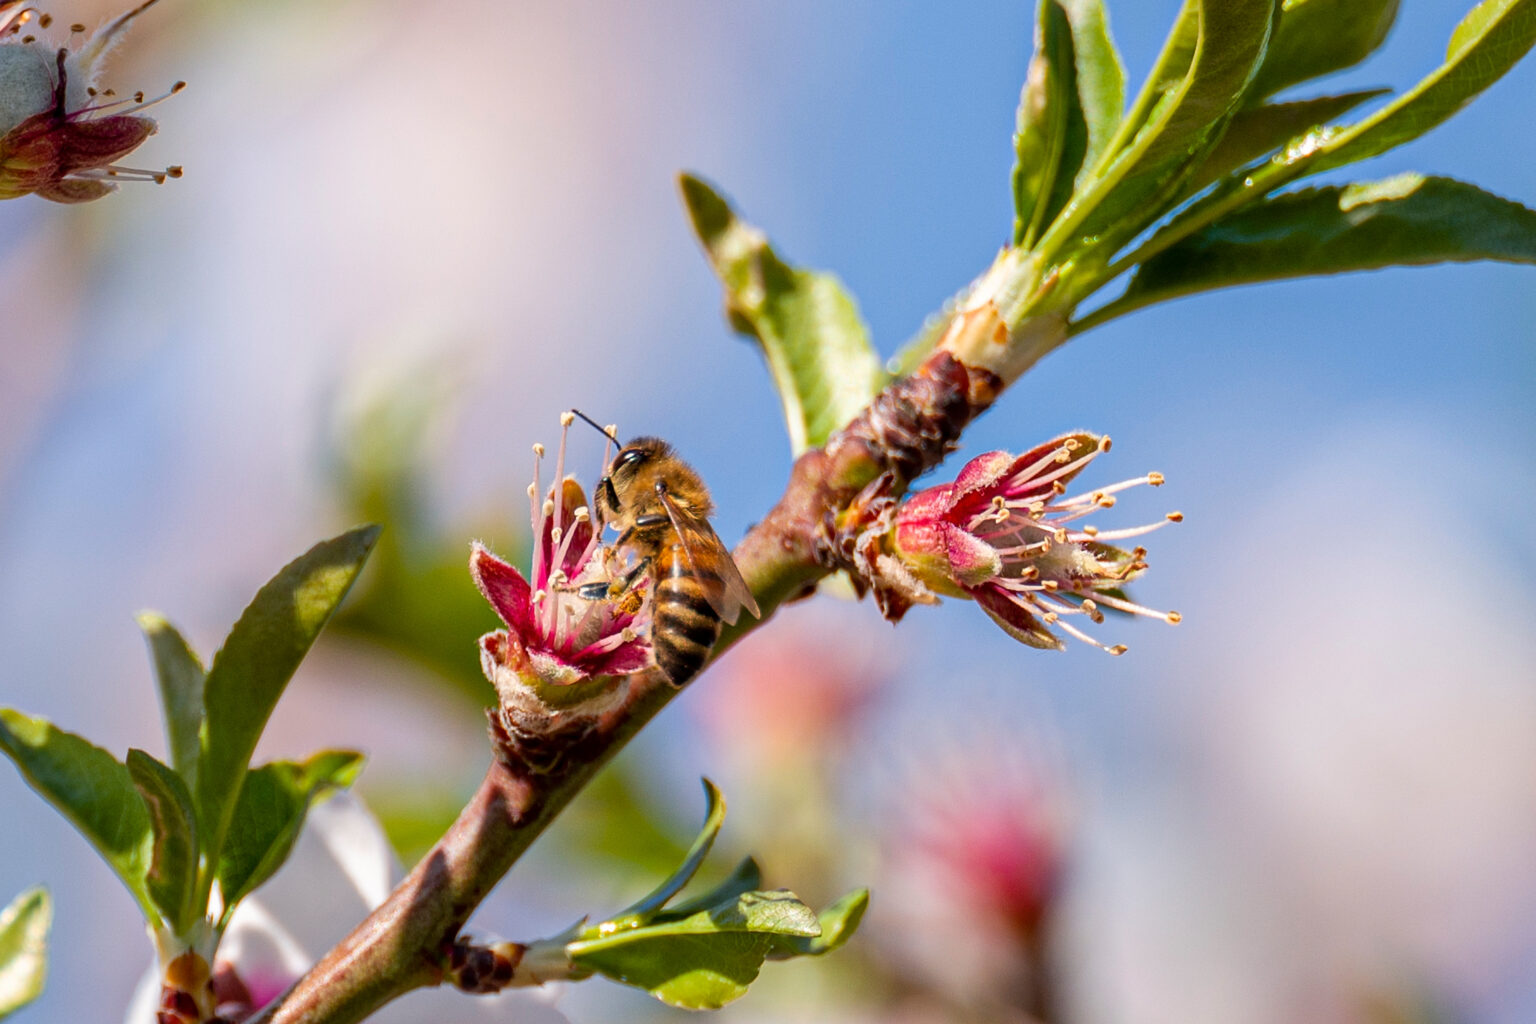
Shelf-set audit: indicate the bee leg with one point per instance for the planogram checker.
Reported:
(649, 522)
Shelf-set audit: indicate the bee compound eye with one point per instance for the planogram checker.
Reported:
(629, 457)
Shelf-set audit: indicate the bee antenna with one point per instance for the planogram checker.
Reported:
(600, 428)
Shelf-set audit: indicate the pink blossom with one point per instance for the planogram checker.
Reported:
(556, 634)
(61, 136)
(1004, 535)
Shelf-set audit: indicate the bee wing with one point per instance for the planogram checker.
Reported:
(697, 537)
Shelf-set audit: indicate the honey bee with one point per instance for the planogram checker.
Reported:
(661, 509)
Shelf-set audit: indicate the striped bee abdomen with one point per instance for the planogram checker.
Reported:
(684, 627)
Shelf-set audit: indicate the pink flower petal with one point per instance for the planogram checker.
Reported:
(931, 504)
(972, 561)
(86, 144)
(982, 473)
(504, 587)
(1015, 620)
(621, 661)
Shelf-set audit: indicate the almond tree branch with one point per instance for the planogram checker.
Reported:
(907, 429)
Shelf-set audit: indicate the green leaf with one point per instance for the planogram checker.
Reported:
(714, 817)
(1406, 220)
(1100, 76)
(24, 949)
(1195, 88)
(1068, 112)
(838, 923)
(1261, 130)
(808, 327)
(180, 677)
(89, 787)
(1486, 44)
(1319, 37)
(704, 960)
(745, 877)
(256, 662)
(270, 814)
(1046, 106)
(172, 876)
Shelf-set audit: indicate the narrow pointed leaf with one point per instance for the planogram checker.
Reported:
(838, 923)
(1068, 112)
(744, 878)
(1487, 43)
(1046, 106)
(1403, 221)
(259, 657)
(269, 816)
(88, 786)
(1258, 131)
(807, 326)
(172, 876)
(1100, 76)
(705, 960)
(1180, 122)
(714, 817)
(24, 928)
(179, 675)
(1318, 37)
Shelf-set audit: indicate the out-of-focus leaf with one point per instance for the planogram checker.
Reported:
(415, 597)
(714, 817)
(24, 949)
(838, 923)
(1260, 130)
(1068, 112)
(702, 961)
(180, 677)
(172, 876)
(1318, 37)
(810, 332)
(91, 788)
(1183, 119)
(270, 814)
(257, 660)
(1402, 221)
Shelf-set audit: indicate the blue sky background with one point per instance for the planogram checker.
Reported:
(484, 195)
